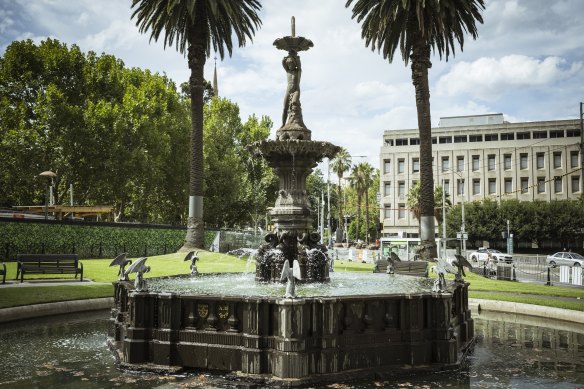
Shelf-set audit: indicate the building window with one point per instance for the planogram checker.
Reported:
(491, 137)
(508, 185)
(387, 211)
(401, 189)
(445, 164)
(491, 162)
(476, 186)
(539, 134)
(540, 184)
(401, 165)
(507, 161)
(460, 164)
(401, 142)
(434, 140)
(523, 135)
(460, 138)
(523, 161)
(524, 184)
(447, 187)
(507, 136)
(539, 160)
(492, 186)
(557, 159)
(573, 158)
(386, 166)
(414, 141)
(401, 211)
(415, 165)
(475, 138)
(460, 187)
(558, 185)
(556, 133)
(387, 189)
(575, 184)
(572, 132)
(476, 161)
(389, 142)
(444, 139)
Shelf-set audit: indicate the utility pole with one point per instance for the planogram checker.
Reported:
(328, 191)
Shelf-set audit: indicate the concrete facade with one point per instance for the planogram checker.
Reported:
(498, 160)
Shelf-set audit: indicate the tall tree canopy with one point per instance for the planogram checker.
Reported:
(417, 27)
(194, 27)
(341, 164)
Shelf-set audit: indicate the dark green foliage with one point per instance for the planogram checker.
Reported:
(530, 221)
(89, 241)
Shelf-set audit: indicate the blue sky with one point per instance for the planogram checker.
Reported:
(527, 63)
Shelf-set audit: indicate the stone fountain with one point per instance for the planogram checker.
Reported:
(340, 326)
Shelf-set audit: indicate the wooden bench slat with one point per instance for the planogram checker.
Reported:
(48, 264)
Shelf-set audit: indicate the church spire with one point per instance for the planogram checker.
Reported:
(215, 85)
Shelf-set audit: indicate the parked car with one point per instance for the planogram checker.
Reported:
(482, 254)
(565, 258)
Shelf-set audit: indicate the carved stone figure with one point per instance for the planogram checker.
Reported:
(291, 275)
(193, 257)
(139, 267)
(442, 267)
(122, 261)
(460, 262)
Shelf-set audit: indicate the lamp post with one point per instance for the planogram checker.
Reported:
(581, 147)
(48, 174)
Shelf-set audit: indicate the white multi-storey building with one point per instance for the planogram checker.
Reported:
(478, 157)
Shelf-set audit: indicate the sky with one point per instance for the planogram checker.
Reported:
(527, 63)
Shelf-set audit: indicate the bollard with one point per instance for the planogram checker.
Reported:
(514, 278)
(484, 269)
(549, 277)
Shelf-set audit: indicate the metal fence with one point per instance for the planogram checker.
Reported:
(531, 268)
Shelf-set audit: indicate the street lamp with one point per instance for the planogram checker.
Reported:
(51, 175)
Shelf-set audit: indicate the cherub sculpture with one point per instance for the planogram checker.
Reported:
(193, 257)
(122, 261)
(290, 274)
(139, 267)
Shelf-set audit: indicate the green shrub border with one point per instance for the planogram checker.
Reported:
(89, 239)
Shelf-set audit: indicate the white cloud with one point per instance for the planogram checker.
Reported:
(490, 78)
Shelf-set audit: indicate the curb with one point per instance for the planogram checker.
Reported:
(57, 308)
(478, 305)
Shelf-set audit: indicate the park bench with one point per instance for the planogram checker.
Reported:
(3, 272)
(48, 264)
(412, 268)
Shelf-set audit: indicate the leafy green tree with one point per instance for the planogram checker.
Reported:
(413, 202)
(416, 27)
(195, 26)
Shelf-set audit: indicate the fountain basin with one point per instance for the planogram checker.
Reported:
(365, 328)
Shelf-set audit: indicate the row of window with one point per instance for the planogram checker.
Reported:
(492, 186)
(491, 162)
(487, 137)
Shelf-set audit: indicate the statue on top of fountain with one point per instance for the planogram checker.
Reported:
(293, 126)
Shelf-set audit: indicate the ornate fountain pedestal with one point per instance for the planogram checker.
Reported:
(289, 342)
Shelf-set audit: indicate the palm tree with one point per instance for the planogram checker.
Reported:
(341, 164)
(196, 27)
(413, 202)
(361, 181)
(416, 27)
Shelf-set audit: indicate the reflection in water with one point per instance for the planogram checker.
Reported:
(510, 352)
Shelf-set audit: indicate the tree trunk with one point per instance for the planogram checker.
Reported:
(420, 65)
(358, 217)
(341, 222)
(196, 58)
(367, 216)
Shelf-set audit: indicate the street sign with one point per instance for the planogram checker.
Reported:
(510, 245)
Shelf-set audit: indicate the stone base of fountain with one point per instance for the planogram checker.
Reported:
(293, 341)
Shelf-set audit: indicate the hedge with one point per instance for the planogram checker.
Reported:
(89, 240)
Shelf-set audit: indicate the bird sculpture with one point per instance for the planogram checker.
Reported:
(291, 274)
(139, 267)
(442, 267)
(460, 262)
(193, 257)
(122, 261)
(392, 259)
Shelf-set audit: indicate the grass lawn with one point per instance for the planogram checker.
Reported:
(98, 270)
